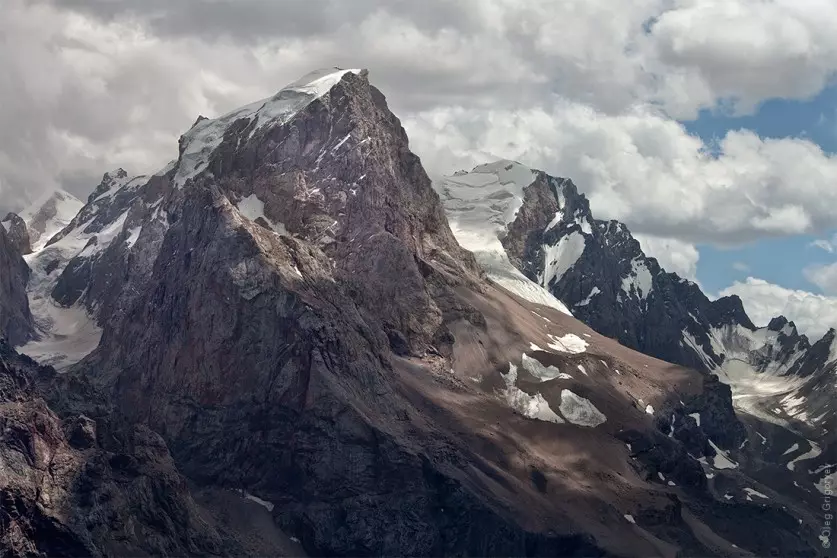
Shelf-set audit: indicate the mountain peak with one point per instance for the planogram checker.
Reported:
(49, 215)
(198, 145)
(777, 323)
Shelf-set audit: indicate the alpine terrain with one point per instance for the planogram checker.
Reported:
(283, 344)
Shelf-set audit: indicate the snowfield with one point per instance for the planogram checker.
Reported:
(480, 205)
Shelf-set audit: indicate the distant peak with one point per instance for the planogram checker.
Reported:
(777, 323)
(115, 174)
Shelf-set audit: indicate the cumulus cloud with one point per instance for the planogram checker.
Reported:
(674, 256)
(646, 170)
(813, 314)
(113, 82)
(823, 276)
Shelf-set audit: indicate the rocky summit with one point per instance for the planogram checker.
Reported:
(288, 342)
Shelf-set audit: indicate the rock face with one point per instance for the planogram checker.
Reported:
(601, 273)
(15, 318)
(17, 232)
(288, 308)
(78, 486)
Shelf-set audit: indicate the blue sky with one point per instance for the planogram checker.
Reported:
(777, 260)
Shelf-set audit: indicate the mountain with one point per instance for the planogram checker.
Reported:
(601, 273)
(287, 306)
(48, 215)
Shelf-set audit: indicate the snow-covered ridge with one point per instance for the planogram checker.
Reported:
(198, 144)
(480, 205)
(48, 215)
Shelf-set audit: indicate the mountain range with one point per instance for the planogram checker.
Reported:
(291, 341)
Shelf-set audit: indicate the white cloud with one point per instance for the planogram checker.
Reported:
(823, 276)
(646, 170)
(674, 256)
(741, 266)
(813, 314)
(829, 245)
(114, 83)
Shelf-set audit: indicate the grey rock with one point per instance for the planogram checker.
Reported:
(17, 232)
(15, 317)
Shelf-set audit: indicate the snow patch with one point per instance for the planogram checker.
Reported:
(264, 503)
(481, 239)
(593, 292)
(639, 278)
(569, 343)
(753, 492)
(814, 452)
(695, 416)
(791, 449)
(580, 411)
(252, 208)
(530, 406)
(541, 372)
(560, 257)
(630, 518)
(721, 460)
(649, 410)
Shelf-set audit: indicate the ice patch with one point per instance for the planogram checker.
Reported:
(541, 372)
(559, 258)
(580, 411)
(555, 220)
(791, 449)
(569, 343)
(815, 451)
(721, 460)
(264, 503)
(593, 292)
(133, 236)
(530, 406)
(481, 240)
(252, 208)
(640, 279)
(752, 492)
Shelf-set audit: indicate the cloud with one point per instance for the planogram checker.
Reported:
(741, 266)
(829, 245)
(674, 256)
(646, 170)
(582, 89)
(823, 276)
(813, 314)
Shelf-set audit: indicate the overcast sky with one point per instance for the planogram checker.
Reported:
(605, 92)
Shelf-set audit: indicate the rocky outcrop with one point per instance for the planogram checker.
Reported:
(15, 317)
(79, 486)
(17, 233)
